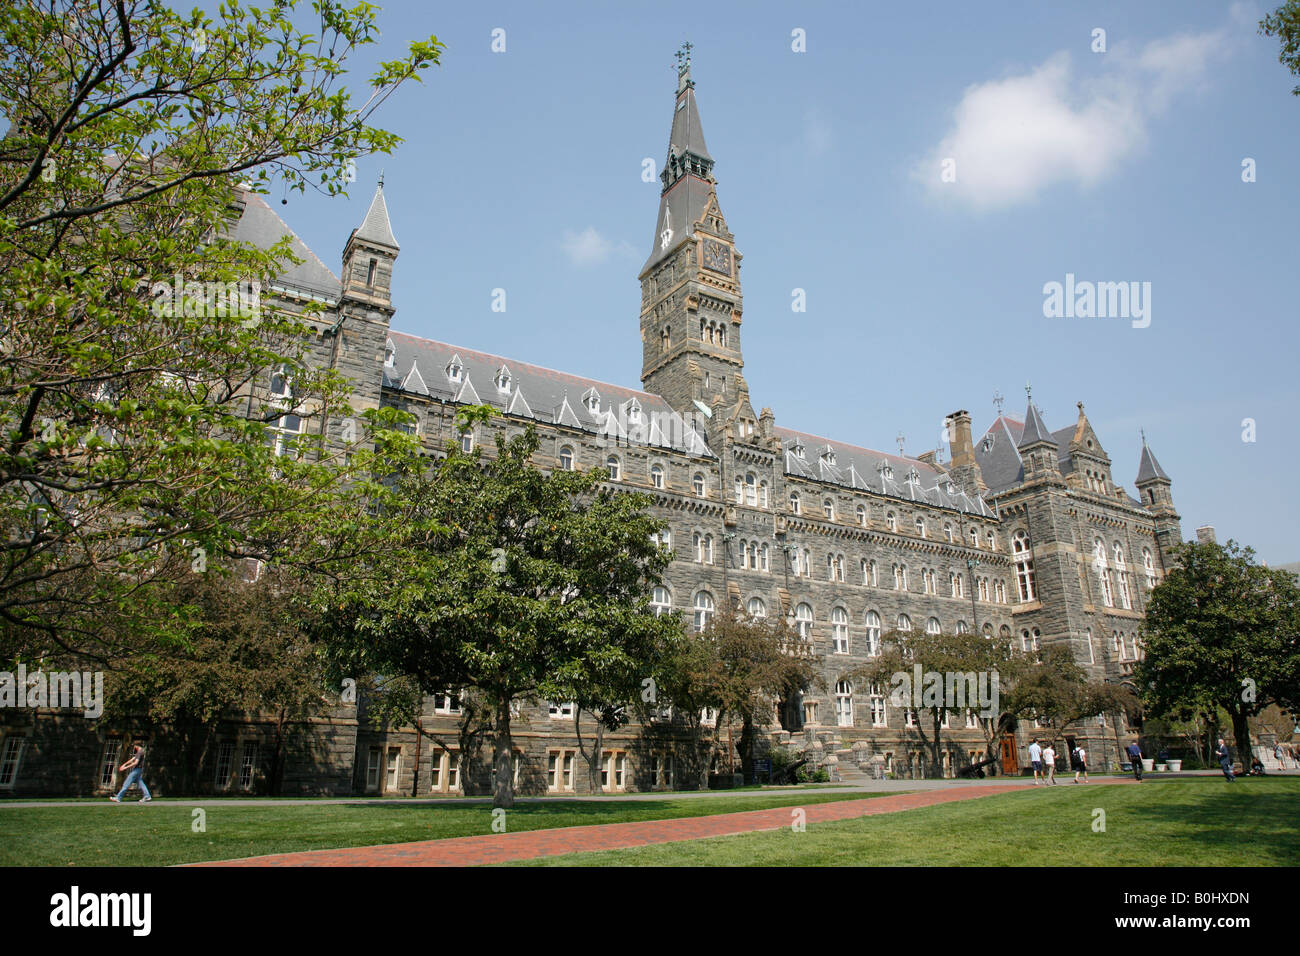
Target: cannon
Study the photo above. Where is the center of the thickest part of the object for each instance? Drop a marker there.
(976, 769)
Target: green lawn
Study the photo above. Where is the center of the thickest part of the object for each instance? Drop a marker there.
(1252, 822)
(158, 834)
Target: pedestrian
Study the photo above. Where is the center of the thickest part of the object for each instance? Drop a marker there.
(1225, 760)
(1135, 758)
(1080, 763)
(1036, 758)
(1277, 753)
(136, 776)
(1049, 763)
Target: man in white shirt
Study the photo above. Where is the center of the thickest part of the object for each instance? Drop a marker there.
(1036, 758)
(1049, 764)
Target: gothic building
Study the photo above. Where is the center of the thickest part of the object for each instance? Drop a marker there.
(1023, 535)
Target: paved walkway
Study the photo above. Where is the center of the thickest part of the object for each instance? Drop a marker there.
(503, 847)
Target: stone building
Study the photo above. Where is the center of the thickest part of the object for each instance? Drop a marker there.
(1022, 536)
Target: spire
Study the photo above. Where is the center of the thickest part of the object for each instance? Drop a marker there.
(1148, 467)
(1035, 429)
(687, 176)
(376, 227)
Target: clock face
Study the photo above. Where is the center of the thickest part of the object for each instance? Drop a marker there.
(717, 256)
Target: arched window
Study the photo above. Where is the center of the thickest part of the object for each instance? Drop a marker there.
(739, 485)
(803, 621)
(763, 558)
(974, 537)
(703, 610)
(904, 622)
(1024, 560)
(1103, 572)
(661, 602)
(657, 476)
(891, 522)
(1149, 566)
(947, 531)
(920, 526)
(993, 540)
(744, 554)
(794, 502)
(844, 703)
(698, 484)
(665, 339)
(869, 577)
(862, 515)
(828, 508)
(898, 577)
(933, 626)
(756, 608)
(762, 495)
(873, 634)
(962, 628)
(840, 630)
(751, 490)
(566, 458)
(1121, 572)
(615, 467)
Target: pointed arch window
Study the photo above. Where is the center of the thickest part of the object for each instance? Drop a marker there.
(1024, 561)
(803, 621)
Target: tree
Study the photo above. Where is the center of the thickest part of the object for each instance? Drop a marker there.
(135, 400)
(907, 654)
(1284, 23)
(499, 577)
(1056, 691)
(1222, 630)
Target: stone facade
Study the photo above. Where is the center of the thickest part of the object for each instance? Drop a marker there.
(846, 541)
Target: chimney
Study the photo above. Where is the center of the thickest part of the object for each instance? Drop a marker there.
(1205, 535)
(964, 467)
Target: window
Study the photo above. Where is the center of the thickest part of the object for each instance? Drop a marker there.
(560, 710)
(911, 718)
(661, 602)
(661, 772)
(703, 548)
(1122, 575)
(467, 442)
(1149, 567)
(891, 522)
(954, 584)
(751, 490)
(947, 532)
(370, 272)
(393, 769)
(1024, 561)
(10, 758)
(828, 508)
(877, 702)
(763, 554)
(372, 769)
(974, 537)
(282, 383)
(803, 621)
(933, 626)
(455, 369)
(840, 630)
(247, 766)
(390, 355)
(283, 435)
(615, 467)
(591, 399)
(993, 540)
(835, 567)
(613, 771)
(665, 339)
(446, 772)
(703, 610)
(740, 490)
(844, 704)
(794, 502)
(920, 526)
(762, 494)
(697, 483)
(904, 622)
(566, 458)
(810, 713)
(446, 704)
(225, 764)
(873, 634)
(709, 717)
(108, 761)
(559, 771)
(861, 513)
(657, 476)
(502, 379)
(756, 608)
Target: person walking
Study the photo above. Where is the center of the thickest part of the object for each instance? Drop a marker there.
(1135, 758)
(1080, 763)
(1036, 759)
(136, 776)
(1049, 763)
(1225, 760)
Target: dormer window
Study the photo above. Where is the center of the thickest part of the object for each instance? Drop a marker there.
(987, 443)
(390, 355)
(455, 371)
(798, 450)
(634, 412)
(502, 379)
(828, 456)
(591, 399)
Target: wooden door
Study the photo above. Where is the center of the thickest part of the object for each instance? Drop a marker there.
(1010, 762)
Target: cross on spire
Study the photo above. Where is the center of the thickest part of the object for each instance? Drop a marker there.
(1029, 391)
(997, 401)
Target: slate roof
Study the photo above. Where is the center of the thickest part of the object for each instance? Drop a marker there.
(997, 453)
(261, 226)
(1035, 428)
(422, 367)
(1148, 467)
(376, 227)
(865, 469)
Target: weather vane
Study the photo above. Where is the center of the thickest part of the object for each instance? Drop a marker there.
(997, 401)
(899, 439)
(684, 55)
(1029, 392)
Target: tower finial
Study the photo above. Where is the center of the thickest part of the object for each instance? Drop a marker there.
(381, 179)
(900, 439)
(997, 401)
(1143, 433)
(684, 66)
(1029, 391)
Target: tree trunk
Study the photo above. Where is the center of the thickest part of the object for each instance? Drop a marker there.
(1241, 731)
(747, 736)
(503, 785)
(936, 770)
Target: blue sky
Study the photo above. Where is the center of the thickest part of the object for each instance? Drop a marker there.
(521, 170)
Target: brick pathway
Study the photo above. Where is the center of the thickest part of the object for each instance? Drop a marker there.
(502, 847)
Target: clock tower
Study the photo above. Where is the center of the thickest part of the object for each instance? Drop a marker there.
(690, 284)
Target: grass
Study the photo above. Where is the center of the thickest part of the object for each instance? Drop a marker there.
(161, 834)
(1208, 822)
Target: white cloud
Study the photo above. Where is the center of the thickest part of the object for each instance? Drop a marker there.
(590, 248)
(1015, 136)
